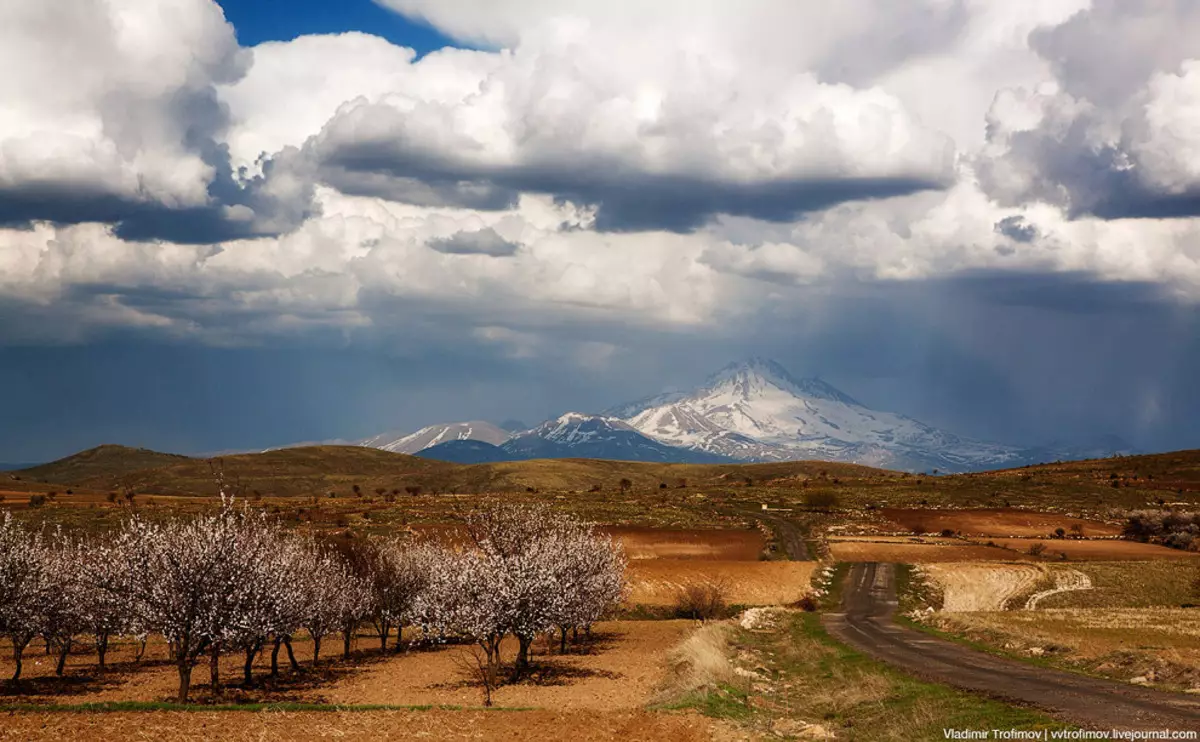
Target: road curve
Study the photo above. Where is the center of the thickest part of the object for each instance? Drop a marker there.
(866, 623)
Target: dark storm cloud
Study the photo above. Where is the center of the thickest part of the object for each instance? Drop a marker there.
(1069, 171)
(482, 242)
(1023, 359)
(236, 208)
(1017, 228)
(626, 200)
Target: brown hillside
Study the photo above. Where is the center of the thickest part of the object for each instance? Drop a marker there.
(107, 463)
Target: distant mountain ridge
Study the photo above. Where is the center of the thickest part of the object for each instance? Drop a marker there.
(752, 411)
(432, 435)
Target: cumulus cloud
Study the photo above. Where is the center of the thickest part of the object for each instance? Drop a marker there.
(1106, 136)
(111, 114)
(664, 139)
(166, 179)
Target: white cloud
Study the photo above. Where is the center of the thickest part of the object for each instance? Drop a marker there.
(111, 98)
(765, 150)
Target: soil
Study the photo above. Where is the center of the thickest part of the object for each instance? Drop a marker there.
(656, 543)
(994, 522)
(912, 552)
(658, 581)
(1099, 550)
(618, 668)
(579, 726)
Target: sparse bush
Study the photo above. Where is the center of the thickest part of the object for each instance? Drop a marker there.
(947, 533)
(808, 604)
(702, 601)
(37, 500)
(1037, 549)
(1172, 528)
(821, 500)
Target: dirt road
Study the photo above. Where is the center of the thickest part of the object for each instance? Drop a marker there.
(868, 605)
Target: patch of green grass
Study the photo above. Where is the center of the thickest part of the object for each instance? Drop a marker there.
(723, 702)
(126, 706)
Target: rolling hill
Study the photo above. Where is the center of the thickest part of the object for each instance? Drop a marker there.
(1120, 482)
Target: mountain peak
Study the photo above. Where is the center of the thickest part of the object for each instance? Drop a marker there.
(755, 374)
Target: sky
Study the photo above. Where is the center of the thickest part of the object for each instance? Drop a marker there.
(244, 224)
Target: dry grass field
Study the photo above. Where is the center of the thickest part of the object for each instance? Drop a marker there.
(1119, 619)
(995, 522)
(1098, 550)
(657, 582)
(982, 587)
(1149, 645)
(726, 545)
(914, 552)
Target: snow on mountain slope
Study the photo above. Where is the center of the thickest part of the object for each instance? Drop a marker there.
(757, 411)
(432, 435)
(578, 435)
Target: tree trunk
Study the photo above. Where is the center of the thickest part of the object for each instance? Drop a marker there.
(248, 667)
(62, 657)
(18, 656)
(185, 680)
(562, 642)
(521, 667)
(287, 643)
(142, 648)
(214, 668)
(316, 650)
(101, 648)
(275, 657)
(384, 630)
(347, 634)
(491, 648)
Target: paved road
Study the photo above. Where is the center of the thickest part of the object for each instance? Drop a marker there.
(791, 537)
(869, 602)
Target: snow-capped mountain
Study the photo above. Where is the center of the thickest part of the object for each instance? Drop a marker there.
(757, 411)
(576, 435)
(432, 435)
(749, 411)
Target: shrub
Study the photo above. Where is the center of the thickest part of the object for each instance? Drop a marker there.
(807, 604)
(1037, 549)
(821, 500)
(702, 601)
(36, 501)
